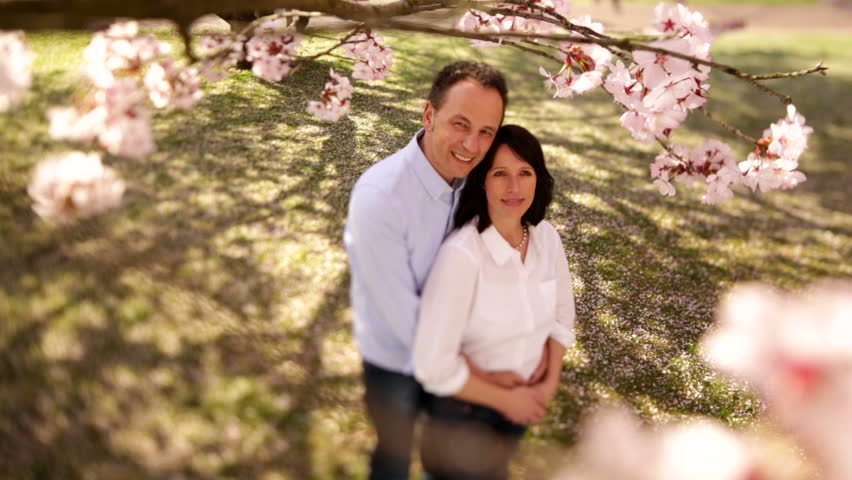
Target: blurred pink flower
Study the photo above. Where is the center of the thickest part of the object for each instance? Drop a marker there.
(72, 186)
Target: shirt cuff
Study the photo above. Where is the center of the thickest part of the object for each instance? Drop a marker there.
(444, 386)
(563, 335)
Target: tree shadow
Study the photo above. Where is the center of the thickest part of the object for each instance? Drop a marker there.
(202, 331)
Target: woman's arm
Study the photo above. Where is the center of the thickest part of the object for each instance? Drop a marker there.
(519, 404)
(439, 365)
(563, 331)
(546, 388)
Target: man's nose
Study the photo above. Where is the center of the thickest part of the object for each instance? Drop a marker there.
(471, 143)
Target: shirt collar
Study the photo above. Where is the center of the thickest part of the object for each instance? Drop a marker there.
(499, 248)
(429, 177)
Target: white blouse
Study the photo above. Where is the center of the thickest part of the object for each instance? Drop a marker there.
(481, 300)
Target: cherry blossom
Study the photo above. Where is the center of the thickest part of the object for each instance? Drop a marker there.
(272, 50)
(170, 84)
(774, 162)
(112, 117)
(336, 99)
(218, 53)
(796, 349)
(15, 63)
(614, 446)
(120, 52)
(75, 185)
(789, 137)
(373, 60)
(477, 21)
(678, 20)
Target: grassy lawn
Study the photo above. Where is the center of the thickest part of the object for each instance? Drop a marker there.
(203, 331)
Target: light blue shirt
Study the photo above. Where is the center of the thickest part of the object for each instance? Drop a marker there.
(399, 213)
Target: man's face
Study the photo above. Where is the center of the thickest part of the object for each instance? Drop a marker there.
(461, 131)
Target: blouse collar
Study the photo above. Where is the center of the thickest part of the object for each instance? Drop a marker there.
(499, 248)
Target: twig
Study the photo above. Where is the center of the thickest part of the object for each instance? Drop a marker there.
(736, 131)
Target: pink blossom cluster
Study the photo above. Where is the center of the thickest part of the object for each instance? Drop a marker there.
(336, 99)
(774, 162)
(796, 349)
(658, 90)
(712, 164)
(614, 446)
(219, 52)
(771, 166)
(125, 70)
(72, 186)
(373, 60)
(171, 84)
(114, 117)
(16, 60)
(272, 50)
(584, 64)
(482, 22)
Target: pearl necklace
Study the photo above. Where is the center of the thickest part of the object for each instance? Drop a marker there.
(520, 246)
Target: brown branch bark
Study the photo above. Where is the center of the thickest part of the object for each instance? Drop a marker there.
(83, 14)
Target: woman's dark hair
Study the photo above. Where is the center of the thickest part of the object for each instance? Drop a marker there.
(473, 202)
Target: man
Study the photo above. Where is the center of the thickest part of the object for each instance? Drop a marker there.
(400, 211)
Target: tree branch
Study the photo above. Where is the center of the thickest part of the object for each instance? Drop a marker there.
(83, 14)
(736, 131)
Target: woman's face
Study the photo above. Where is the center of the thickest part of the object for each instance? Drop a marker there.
(509, 186)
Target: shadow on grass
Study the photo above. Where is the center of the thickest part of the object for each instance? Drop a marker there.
(203, 332)
(188, 336)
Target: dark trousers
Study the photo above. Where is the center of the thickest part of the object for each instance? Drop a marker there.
(464, 441)
(394, 401)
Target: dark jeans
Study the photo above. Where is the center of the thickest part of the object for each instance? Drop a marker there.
(394, 401)
(464, 441)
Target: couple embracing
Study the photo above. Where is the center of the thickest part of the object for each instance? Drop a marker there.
(462, 298)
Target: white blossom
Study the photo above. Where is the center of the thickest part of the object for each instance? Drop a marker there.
(76, 185)
(16, 60)
(797, 350)
(336, 99)
(271, 52)
(170, 84)
(373, 60)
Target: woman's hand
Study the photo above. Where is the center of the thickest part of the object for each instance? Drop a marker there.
(520, 405)
(544, 391)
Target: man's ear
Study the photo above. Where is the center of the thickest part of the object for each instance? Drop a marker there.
(429, 117)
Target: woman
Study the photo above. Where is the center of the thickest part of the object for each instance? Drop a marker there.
(498, 291)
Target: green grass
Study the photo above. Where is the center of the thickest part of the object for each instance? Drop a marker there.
(203, 331)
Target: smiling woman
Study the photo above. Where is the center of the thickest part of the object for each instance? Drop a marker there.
(499, 294)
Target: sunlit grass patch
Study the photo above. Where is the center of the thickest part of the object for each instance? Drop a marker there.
(204, 330)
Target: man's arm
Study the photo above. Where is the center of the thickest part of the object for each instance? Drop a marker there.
(376, 244)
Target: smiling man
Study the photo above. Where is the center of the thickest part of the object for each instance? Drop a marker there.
(400, 211)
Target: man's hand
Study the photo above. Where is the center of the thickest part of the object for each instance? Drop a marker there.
(541, 370)
(504, 379)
